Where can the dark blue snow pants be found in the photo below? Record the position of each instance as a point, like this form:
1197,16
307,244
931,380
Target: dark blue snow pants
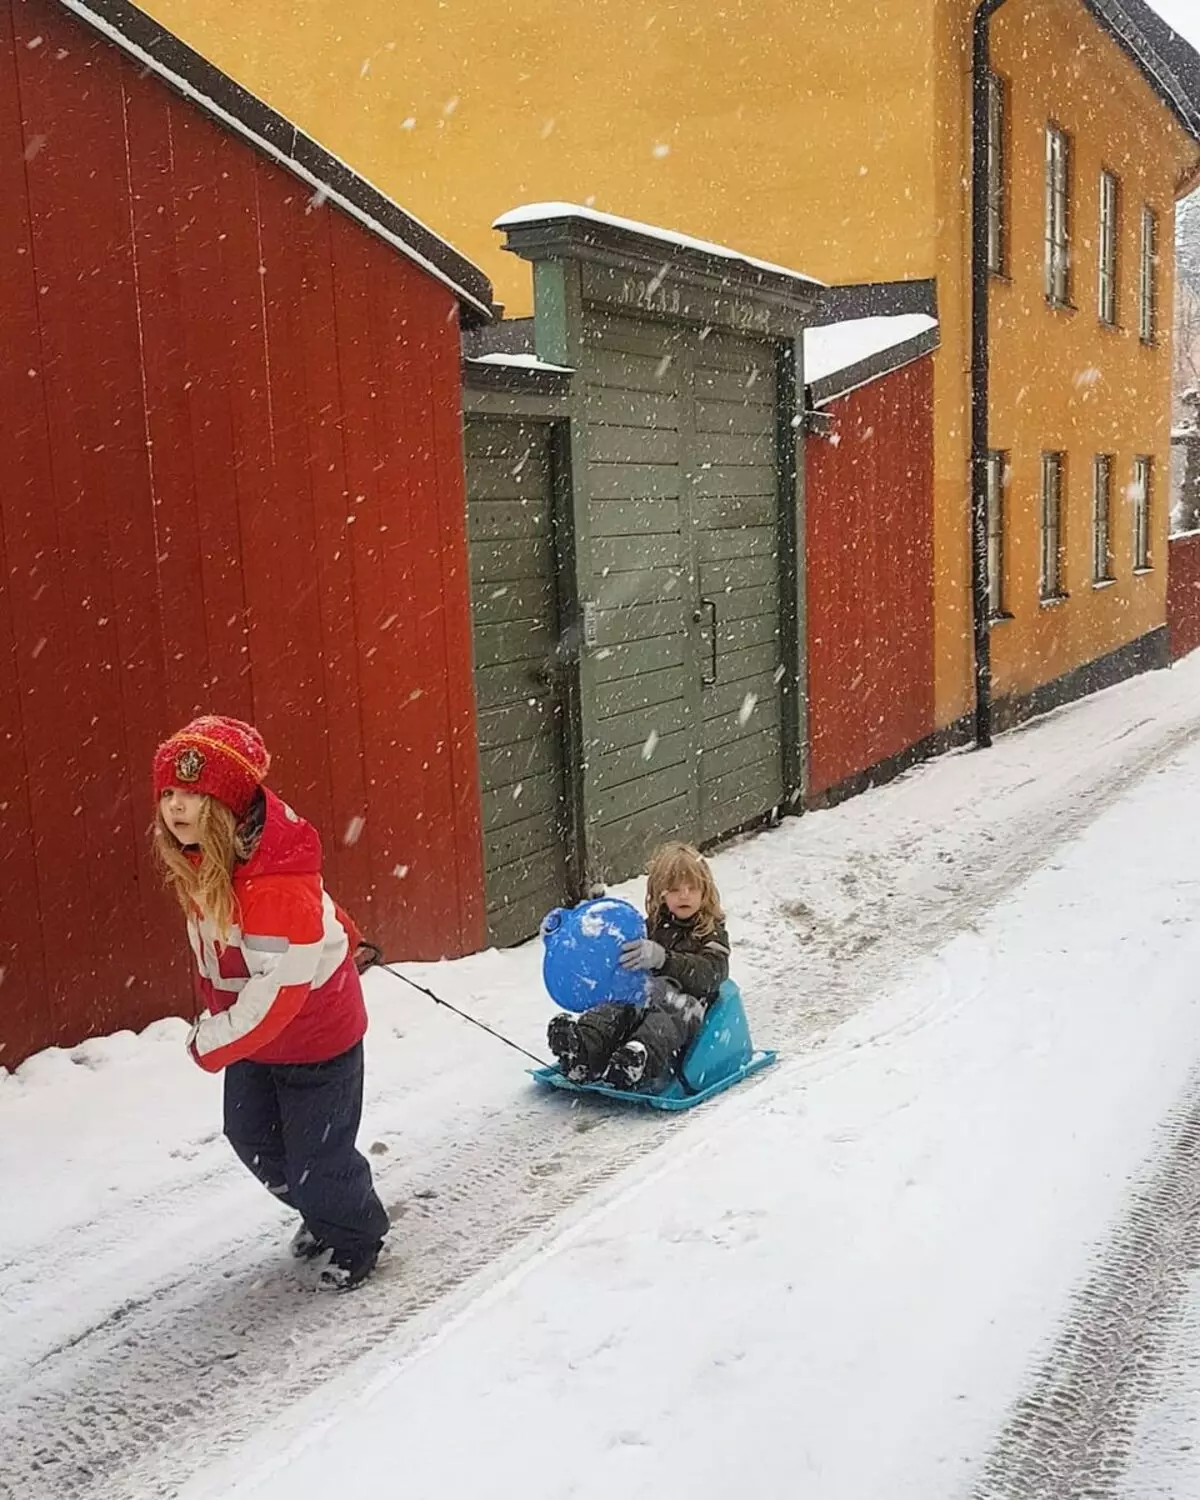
294,1125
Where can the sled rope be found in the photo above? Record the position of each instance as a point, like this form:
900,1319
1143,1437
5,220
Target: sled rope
474,1020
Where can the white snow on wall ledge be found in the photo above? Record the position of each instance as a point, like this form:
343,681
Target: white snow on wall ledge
520,362
838,346
533,213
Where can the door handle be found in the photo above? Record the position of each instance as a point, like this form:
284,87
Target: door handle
697,616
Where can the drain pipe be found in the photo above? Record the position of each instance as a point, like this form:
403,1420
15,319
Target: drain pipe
980,368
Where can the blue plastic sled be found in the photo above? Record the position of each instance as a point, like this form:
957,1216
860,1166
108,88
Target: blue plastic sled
721,1056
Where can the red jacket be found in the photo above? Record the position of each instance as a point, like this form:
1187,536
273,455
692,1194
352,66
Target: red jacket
282,986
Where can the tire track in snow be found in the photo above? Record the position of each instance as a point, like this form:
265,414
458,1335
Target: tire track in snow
140,1402
1071,1436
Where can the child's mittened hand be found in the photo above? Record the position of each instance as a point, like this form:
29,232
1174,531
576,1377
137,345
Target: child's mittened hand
643,953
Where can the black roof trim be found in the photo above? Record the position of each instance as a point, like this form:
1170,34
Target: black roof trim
877,299
1169,64
227,102
507,336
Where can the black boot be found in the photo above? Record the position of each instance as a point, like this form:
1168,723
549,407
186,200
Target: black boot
564,1041
348,1268
627,1066
305,1244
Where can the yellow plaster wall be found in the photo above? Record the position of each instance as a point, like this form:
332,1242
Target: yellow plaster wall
795,130
1060,380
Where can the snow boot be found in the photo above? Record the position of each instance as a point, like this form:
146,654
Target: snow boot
347,1269
305,1244
562,1036
627,1066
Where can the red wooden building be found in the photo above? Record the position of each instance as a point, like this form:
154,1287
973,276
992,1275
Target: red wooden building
869,537
1183,593
231,409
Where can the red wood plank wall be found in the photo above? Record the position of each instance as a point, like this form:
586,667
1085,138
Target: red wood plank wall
1183,593
233,483
869,506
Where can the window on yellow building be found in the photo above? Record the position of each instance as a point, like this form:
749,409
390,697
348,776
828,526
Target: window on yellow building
1058,224
1142,497
997,165
997,465
1102,472
1053,465
1148,278
1110,199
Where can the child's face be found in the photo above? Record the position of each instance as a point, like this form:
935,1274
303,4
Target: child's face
683,901
181,813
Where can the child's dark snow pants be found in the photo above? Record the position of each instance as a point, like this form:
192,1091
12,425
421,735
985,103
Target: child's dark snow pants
294,1125
666,1027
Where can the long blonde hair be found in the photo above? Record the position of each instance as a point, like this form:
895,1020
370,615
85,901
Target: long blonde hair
677,864
203,885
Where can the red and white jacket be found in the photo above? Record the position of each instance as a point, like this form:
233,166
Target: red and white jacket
281,987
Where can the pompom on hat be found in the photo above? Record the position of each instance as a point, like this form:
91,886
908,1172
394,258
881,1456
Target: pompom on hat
221,757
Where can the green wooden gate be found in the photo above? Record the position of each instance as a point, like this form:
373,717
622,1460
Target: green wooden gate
686,513
522,692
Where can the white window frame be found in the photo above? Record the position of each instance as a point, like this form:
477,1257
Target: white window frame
997,175
1053,471
1148,277
1102,482
1108,283
1142,494
997,470
1058,217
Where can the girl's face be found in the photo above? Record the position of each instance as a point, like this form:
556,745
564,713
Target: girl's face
181,813
683,901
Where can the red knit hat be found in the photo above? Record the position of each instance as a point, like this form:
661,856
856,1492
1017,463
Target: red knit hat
222,757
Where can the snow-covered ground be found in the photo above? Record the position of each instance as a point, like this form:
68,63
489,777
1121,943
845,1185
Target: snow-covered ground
837,1281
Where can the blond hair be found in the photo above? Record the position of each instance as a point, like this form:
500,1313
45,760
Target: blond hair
203,885
677,864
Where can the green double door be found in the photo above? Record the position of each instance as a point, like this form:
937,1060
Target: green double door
682,688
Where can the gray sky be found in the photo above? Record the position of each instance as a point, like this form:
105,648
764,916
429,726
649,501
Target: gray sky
1184,15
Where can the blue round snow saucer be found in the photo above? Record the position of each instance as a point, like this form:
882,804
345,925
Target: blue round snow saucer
581,965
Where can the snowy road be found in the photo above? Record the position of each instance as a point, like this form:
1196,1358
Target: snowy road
150,1334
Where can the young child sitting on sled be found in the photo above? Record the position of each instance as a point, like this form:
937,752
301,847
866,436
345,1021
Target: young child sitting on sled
686,953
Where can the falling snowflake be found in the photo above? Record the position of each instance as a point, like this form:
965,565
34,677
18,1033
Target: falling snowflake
651,744
661,150
354,831
749,703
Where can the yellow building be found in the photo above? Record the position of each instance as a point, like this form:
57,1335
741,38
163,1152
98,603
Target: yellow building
834,136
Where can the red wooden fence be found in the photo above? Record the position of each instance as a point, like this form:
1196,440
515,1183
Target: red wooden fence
232,482
1183,593
869,566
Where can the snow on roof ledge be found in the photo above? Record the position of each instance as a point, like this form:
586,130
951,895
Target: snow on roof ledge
521,362
832,348
537,213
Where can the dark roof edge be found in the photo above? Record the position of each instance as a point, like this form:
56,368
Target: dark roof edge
195,78
507,336
875,367
482,375
1179,93
878,299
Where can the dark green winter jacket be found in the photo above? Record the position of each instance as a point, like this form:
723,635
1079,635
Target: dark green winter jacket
698,965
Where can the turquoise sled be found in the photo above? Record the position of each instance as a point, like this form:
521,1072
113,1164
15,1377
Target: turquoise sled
721,1056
